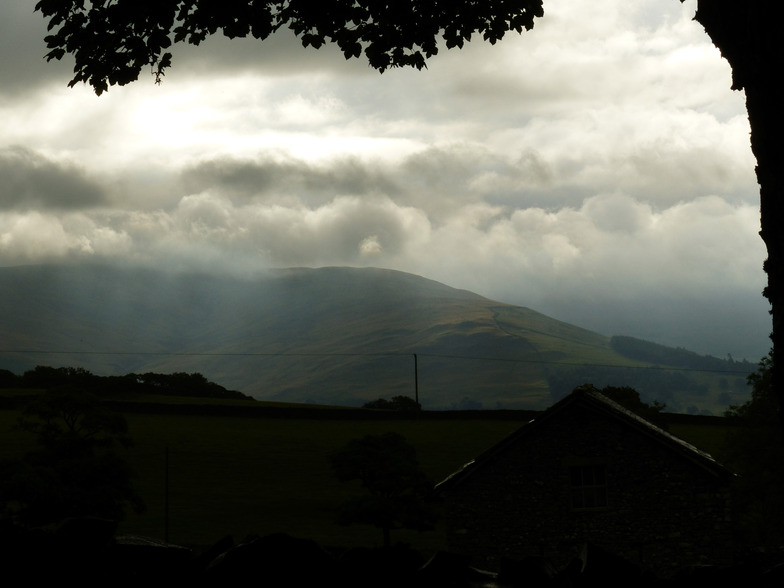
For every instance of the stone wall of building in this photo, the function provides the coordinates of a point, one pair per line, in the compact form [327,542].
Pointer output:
[662,511]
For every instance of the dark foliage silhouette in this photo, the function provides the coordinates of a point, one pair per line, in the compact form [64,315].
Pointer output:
[748,34]
[113,41]
[398,403]
[176,384]
[396,488]
[756,451]
[663,387]
[642,350]
[629,398]
[75,469]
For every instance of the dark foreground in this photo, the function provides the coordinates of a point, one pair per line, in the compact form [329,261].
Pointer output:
[88,552]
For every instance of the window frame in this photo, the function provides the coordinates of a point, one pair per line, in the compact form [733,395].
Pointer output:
[588,486]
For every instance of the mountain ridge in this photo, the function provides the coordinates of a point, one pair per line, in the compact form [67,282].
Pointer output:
[335,335]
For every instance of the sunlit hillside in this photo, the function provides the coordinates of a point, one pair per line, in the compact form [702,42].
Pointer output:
[332,336]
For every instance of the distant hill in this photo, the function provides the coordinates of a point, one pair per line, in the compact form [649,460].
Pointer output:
[334,336]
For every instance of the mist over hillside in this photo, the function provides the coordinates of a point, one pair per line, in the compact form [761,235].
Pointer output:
[333,336]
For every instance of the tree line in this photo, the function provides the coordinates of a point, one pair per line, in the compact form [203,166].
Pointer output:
[175,384]
[641,350]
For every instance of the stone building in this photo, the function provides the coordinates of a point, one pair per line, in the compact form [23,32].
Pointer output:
[588,471]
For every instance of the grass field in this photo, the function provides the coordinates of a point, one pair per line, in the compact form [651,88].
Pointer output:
[229,475]
[241,476]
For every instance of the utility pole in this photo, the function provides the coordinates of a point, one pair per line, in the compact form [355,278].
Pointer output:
[166,497]
[416,380]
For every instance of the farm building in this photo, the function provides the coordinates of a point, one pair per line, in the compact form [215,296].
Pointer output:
[588,471]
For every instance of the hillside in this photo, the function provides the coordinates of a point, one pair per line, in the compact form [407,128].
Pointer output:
[330,336]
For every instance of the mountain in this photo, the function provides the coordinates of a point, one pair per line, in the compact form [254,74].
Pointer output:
[330,335]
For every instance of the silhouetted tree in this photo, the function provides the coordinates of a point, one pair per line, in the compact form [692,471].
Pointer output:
[748,34]
[9,379]
[46,377]
[763,406]
[399,403]
[74,469]
[755,450]
[387,467]
[183,384]
[69,416]
[112,42]
[630,399]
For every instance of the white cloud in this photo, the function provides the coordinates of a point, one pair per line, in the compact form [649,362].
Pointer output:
[35,237]
[370,246]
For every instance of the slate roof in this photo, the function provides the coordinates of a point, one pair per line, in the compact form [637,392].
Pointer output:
[592,399]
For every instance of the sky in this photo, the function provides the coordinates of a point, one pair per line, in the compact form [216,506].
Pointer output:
[596,169]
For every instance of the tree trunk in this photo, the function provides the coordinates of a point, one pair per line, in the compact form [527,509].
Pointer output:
[748,33]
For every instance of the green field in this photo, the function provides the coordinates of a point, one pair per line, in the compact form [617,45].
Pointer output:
[235,475]
[254,475]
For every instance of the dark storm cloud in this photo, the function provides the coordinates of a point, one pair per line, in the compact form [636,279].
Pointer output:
[22,51]
[33,181]
[438,180]
[276,176]
[282,54]
[25,69]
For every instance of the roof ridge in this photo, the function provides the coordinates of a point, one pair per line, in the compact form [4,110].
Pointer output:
[596,400]
[652,427]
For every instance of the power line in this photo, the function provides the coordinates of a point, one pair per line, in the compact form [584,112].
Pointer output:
[373,354]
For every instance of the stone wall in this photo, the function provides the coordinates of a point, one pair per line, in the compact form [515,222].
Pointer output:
[663,510]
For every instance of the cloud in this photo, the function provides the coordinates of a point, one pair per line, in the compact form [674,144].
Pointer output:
[660,156]
[32,180]
[34,237]
[341,231]
[279,56]
[22,51]
[275,176]
[612,246]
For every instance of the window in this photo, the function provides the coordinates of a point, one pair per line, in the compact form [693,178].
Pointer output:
[589,486]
